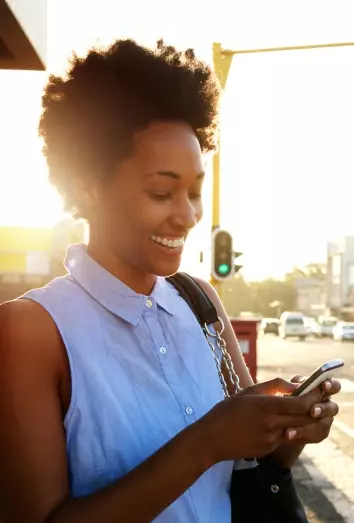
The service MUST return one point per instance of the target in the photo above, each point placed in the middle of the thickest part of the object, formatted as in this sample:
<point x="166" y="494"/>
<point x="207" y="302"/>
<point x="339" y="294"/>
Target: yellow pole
<point x="227" y="52"/>
<point x="222" y="64"/>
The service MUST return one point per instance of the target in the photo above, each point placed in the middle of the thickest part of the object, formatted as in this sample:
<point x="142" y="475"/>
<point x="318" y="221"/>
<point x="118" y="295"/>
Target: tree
<point x="313" y="270"/>
<point x="316" y="270"/>
<point x="236" y="295"/>
<point x="257" y="297"/>
<point x="269" y="291"/>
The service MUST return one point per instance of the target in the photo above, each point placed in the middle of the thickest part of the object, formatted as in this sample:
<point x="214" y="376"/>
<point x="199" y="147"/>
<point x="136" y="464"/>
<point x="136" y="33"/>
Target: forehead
<point x="168" y="146"/>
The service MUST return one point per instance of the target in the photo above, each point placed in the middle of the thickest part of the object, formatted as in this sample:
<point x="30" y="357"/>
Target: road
<point x="286" y="358"/>
<point x="327" y="470"/>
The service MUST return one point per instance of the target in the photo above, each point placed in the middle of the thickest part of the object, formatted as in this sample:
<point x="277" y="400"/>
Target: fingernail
<point x="317" y="411"/>
<point x="292" y="433"/>
<point x="328" y="385"/>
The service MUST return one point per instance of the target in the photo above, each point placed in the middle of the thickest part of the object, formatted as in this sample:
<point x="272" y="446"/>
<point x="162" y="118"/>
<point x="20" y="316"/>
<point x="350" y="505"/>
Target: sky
<point x="287" y="124"/>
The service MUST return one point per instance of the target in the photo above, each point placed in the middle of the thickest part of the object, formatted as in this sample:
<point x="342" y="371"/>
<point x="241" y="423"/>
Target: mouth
<point x="169" y="244"/>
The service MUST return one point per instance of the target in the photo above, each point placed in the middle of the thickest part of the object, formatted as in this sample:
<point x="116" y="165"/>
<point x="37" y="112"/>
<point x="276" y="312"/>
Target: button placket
<point x="166" y="358"/>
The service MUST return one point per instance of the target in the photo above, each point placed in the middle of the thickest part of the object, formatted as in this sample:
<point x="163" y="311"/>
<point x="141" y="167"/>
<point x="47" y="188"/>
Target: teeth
<point x="172" y="244"/>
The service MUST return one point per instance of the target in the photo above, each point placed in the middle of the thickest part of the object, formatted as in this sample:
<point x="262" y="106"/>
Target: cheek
<point x="146" y="217"/>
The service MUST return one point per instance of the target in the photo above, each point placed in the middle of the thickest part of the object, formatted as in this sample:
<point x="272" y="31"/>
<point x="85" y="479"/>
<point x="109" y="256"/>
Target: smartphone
<point x="328" y="370"/>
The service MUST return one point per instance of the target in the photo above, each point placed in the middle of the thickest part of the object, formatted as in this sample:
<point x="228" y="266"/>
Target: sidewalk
<point x="318" y="508"/>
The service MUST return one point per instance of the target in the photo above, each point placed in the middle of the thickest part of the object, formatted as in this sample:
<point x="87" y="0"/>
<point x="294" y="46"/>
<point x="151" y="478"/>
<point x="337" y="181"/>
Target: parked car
<point x="344" y="330"/>
<point x="292" y="324"/>
<point x="324" y="326"/>
<point x="310" y="324"/>
<point x="270" y="326"/>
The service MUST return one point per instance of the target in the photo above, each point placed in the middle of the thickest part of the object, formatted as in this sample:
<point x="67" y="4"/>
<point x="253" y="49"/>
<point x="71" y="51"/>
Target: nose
<point x="187" y="214"/>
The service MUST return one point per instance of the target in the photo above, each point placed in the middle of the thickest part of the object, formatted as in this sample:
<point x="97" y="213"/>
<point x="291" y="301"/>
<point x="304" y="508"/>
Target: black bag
<point x="262" y="494"/>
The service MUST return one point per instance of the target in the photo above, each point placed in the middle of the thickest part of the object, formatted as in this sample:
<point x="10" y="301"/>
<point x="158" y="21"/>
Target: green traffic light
<point x="224" y="268"/>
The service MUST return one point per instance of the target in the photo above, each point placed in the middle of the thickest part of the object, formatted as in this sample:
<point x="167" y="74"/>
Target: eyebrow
<point x="173" y="175"/>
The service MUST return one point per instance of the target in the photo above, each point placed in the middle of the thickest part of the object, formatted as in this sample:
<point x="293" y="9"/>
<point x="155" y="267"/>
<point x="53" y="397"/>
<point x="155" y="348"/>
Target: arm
<point x="286" y="454"/>
<point x="34" y="483"/>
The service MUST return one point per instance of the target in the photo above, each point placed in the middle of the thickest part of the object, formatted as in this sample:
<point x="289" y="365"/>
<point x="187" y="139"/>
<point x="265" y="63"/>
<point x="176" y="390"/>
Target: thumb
<point x="272" y="387"/>
<point x="297" y="379"/>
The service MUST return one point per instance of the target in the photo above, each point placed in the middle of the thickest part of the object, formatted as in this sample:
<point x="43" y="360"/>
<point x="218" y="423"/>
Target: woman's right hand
<point x="252" y="423"/>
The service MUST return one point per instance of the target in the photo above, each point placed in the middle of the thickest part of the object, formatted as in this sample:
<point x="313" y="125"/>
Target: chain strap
<point x="221" y="344"/>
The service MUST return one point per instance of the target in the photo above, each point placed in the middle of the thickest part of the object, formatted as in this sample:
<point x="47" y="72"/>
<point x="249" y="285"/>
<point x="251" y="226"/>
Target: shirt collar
<point x="109" y="291"/>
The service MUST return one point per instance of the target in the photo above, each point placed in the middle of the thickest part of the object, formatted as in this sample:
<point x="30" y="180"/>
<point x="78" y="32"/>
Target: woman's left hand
<point x="323" y="414"/>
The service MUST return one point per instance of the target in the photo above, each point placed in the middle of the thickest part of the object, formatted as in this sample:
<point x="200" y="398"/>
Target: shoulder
<point x="207" y="288"/>
<point x="59" y="289"/>
<point x="23" y="317"/>
<point x="212" y="295"/>
<point x="28" y="335"/>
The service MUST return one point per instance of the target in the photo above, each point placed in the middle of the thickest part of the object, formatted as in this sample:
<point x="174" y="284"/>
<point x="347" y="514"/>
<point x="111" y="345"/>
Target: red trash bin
<point x="246" y="333"/>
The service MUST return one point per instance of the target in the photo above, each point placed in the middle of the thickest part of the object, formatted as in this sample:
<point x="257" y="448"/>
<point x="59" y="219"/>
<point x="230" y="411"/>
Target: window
<point x="295" y="321"/>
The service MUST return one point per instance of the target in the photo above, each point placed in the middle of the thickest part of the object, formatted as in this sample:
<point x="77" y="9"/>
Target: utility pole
<point x="222" y="59"/>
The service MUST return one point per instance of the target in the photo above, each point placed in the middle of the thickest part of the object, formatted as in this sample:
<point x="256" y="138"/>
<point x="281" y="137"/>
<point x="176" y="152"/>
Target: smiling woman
<point x="109" y="391"/>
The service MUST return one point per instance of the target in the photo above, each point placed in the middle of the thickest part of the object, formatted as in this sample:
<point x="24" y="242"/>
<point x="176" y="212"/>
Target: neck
<point x="138" y="281"/>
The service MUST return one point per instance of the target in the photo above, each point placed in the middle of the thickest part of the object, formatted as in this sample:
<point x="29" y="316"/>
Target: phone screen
<point x="322" y="372"/>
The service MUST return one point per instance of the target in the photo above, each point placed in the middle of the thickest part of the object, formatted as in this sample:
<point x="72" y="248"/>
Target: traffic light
<point x="237" y="267"/>
<point x="222" y="255"/>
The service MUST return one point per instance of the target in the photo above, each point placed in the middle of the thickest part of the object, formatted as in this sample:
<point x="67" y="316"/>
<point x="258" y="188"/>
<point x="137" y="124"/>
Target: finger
<point x="272" y="387"/>
<point x="295" y="404"/>
<point x="331" y="386"/>
<point x="297" y="379"/>
<point x="296" y="420"/>
<point x="325" y="410"/>
<point x="312" y="433"/>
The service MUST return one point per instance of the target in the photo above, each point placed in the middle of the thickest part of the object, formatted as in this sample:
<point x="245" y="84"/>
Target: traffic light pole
<point x="222" y="64"/>
<point x="222" y="59"/>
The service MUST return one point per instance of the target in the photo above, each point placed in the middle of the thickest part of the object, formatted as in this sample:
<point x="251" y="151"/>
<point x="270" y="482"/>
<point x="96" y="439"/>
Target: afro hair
<point x="91" y="114"/>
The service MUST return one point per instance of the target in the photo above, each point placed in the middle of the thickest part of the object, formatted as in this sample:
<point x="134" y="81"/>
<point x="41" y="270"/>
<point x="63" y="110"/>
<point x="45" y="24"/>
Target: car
<point x="310" y="324"/>
<point x="344" y="330"/>
<point x="324" y="326"/>
<point x="292" y="325"/>
<point x="270" y="326"/>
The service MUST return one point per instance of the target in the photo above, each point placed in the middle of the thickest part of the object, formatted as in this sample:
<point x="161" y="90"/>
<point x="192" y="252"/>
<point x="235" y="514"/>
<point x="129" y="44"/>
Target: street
<point x="326" y="471"/>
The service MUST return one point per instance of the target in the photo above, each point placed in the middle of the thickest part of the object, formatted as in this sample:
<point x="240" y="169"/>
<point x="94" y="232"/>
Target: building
<point x="32" y="257"/>
<point x="23" y="34"/>
<point x="311" y="296"/>
<point x="340" y="277"/>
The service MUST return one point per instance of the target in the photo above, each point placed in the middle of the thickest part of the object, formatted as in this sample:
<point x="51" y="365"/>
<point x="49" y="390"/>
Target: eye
<point x="195" y="196"/>
<point x="160" y="197"/>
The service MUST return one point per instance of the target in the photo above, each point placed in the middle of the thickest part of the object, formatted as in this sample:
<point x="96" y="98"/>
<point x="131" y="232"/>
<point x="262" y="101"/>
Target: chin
<point x="166" y="269"/>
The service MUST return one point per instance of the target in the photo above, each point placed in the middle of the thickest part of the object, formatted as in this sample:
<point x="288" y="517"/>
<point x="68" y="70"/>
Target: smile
<point x="166" y="242"/>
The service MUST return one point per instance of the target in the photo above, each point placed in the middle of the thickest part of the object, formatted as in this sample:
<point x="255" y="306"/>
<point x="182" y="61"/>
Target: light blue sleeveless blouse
<point x="141" y="372"/>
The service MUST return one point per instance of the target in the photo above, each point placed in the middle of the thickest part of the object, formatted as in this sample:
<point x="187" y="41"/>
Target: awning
<point x="23" y="35"/>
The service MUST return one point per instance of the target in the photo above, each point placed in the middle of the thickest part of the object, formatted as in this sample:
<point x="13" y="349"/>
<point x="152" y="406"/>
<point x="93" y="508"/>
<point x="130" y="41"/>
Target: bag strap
<point x="206" y="314"/>
<point x="196" y="298"/>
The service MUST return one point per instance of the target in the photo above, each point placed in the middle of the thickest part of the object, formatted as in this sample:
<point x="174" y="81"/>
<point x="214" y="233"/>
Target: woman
<point x="109" y="392"/>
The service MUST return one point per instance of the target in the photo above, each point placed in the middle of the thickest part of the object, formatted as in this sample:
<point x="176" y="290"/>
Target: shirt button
<point x="189" y="411"/>
<point x="163" y="350"/>
<point x="148" y="303"/>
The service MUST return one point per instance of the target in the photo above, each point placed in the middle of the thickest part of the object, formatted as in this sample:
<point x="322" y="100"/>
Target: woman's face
<point x="147" y="209"/>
